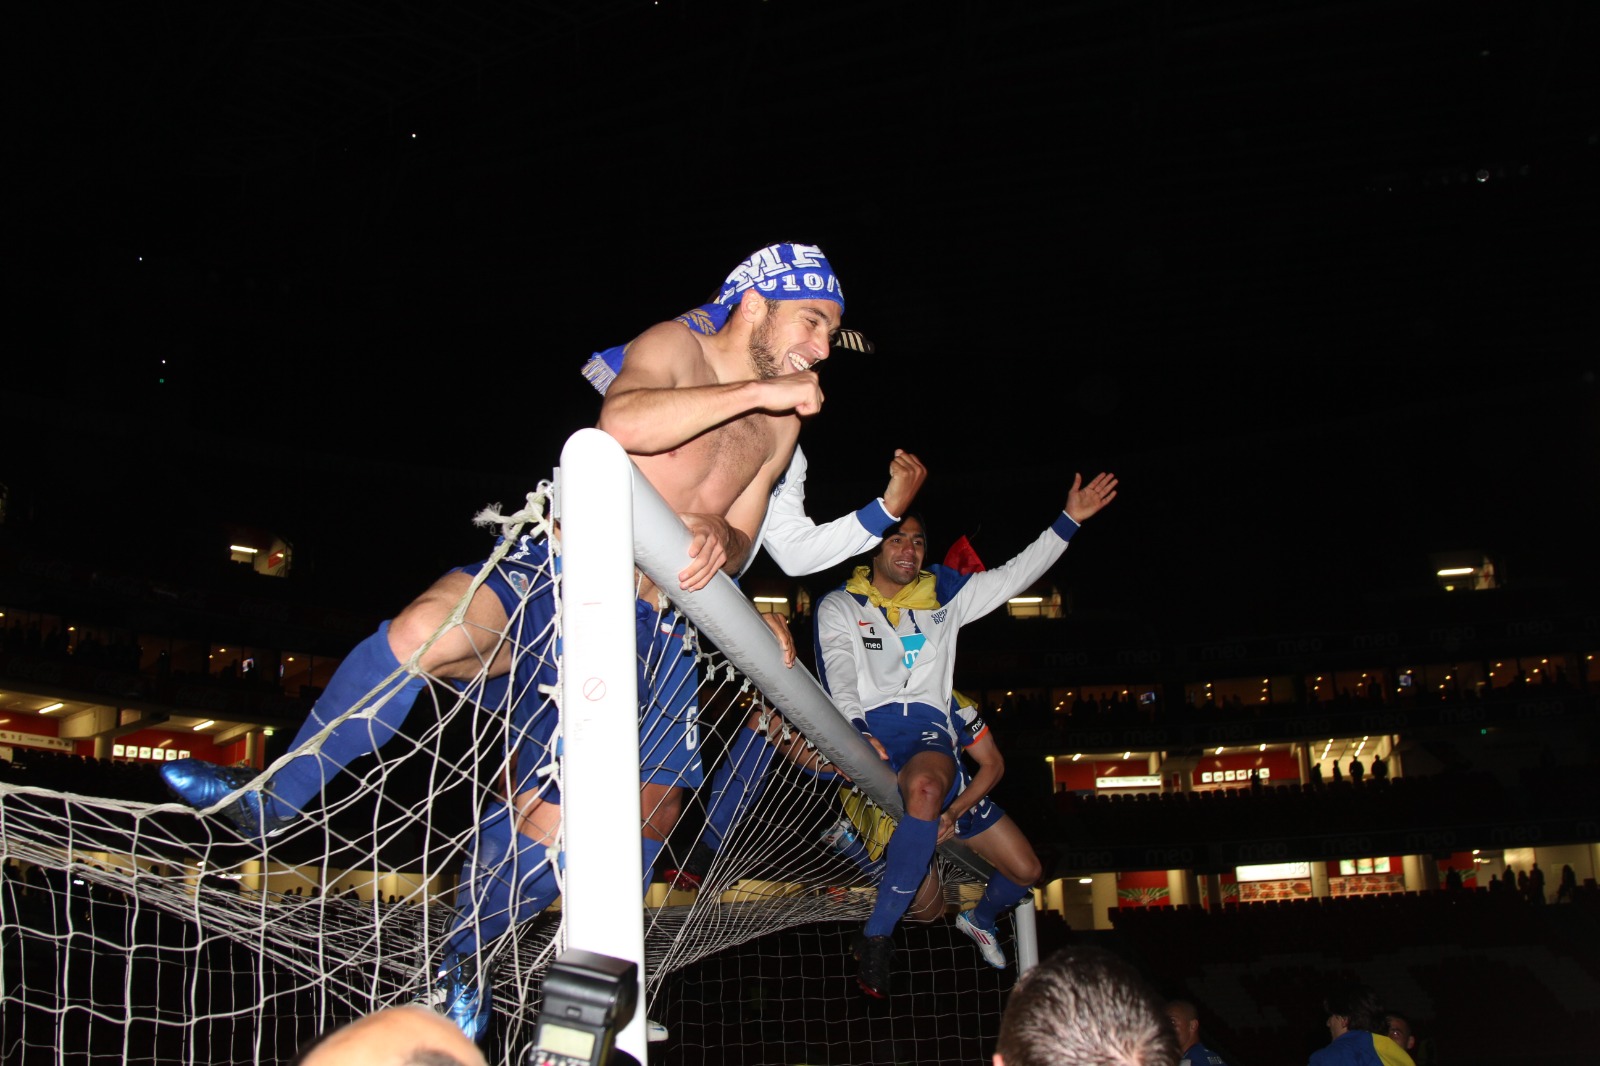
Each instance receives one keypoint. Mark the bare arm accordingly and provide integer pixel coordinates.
(800, 545)
(715, 544)
(991, 768)
(906, 475)
(780, 629)
(665, 397)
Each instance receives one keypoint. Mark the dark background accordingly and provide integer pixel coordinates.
(1315, 279)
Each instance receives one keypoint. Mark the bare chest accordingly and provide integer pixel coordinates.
(708, 473)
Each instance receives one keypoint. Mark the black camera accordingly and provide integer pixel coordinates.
(588, 997)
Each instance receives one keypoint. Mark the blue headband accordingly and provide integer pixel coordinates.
(778, 272)
(783, 272)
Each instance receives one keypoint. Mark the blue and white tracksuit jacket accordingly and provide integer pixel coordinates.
(867, 665)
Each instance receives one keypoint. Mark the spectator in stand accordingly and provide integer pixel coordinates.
(1186, 1024)
(1356, 770)
(1355, 1019)
(1567, 890)
(1380, 768)
(1084, 1005)
(1535, 884)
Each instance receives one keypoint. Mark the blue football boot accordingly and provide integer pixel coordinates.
(459, 995)
(201, 784)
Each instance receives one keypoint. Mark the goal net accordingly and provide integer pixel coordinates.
(135, 929)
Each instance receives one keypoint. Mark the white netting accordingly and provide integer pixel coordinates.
(133, 929)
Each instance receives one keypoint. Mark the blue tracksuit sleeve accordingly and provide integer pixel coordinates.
(987, 590)
(801, 546)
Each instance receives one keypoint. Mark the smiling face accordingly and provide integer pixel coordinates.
(792, 335)
(899, 557)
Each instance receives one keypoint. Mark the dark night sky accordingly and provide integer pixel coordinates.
(1317, 280)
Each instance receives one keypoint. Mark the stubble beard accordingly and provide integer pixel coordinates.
(762, 358)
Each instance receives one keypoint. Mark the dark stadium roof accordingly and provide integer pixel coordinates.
(1316, 277)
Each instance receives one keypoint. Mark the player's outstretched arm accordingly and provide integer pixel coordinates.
(800, 545)
(1086, 501)
(906, 475)
(987, 590)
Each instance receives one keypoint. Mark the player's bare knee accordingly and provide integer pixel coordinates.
(537, 818)
(1026, 872)
(924, 795)
(411, 628)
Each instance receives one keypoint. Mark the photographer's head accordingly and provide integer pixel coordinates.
(1084, 1006)
(411, 1035)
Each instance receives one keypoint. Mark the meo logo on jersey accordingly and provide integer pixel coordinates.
(872, 643)
(912, 643)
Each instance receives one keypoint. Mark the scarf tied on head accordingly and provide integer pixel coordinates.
(920, 595)
(778, 272)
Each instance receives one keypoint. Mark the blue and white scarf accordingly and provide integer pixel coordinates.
(778, 272)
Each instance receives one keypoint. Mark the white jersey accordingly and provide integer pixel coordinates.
(866, 664)
(799, 545)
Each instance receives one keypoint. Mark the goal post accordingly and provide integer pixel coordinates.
(599, 711)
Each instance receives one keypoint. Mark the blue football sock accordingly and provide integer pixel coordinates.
(506, 880)
(367, 665)
(999, 895)
(905, 864)
(652, 851)
(736, 783)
